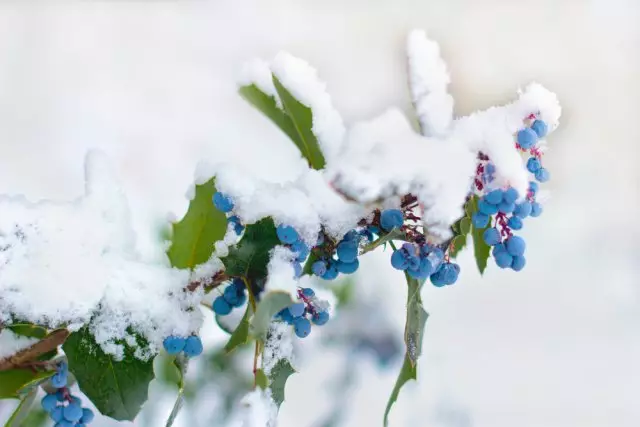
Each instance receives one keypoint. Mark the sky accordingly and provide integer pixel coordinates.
(152, 84)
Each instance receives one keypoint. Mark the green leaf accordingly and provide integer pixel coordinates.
(117, 388)
(223, 323)
(181, 363)
(480, 248)
(394, 234)
(465, 225)
(250, 257)
(416, 319)
(408, 372)
(267, 105)
(28, 330)
(270, 304)
(22, 411)
(457, 244)
(241, 335)
(194, 236)
(302, 119)
(261, 379)
(14, 381)
(278, 379)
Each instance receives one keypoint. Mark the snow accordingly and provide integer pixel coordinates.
(428, 78)
(66, 263)
(278, 346)
(257, 72)
(11, 343)
(256, 409)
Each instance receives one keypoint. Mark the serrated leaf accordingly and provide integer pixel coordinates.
(193, 238)
(278, 377)
(181, 364)
(250, 257)
(457, 244)
(241, 335)
(14, 381)
(416, 319)
(261, 379)
(117, 388)
(22, 411)
(407, 372)
(302, 119)
(270, 304)
(480, 249)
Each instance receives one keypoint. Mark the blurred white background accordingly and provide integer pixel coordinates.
(152, 83)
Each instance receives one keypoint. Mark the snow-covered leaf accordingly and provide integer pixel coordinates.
(118, 388)
(270, 304)
(278, 377)
(416, 319)
(250, 257)
(193, 238)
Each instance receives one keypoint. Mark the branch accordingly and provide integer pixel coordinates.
(29, 354)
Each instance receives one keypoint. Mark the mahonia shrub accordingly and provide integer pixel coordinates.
(259, 254)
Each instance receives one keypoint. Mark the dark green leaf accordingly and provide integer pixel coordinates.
(267, 105)
(278, 379)
(250, 257)
(408, 372)
(180, 363)
(261, 379)
(270, 304)
(22, 411)
(480, 248)
(194, 236)
(241, 335)
(13, 381)
(416, 319)
(302, 119)
(457, 244)
(117, 388)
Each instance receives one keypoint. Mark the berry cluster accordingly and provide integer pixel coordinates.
(290, 237)
(234, 295)
(527, 140)
(63, 408)
(338, 257)
(191, 346)
(223, 203)
(301, 314)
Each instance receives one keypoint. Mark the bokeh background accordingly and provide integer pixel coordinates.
(152, 83)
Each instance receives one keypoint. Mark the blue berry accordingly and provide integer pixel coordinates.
(65, 423)
(438, 279)
(450, 272)
(348, 267)
(193, 346)
(222, 202)
(540, 128)
(49, 402)
(72, 412)
(487, 208)
(331, 273)
(515, 223)
(494, 197)
(533, 164)
(498, 248)
(286, 316)
(60, 396)
(490, 168)
(221, 306)
(479, 220)
(391, 218)
(308, 292)
(491, 236)
(287, 234)
(57, 414)
(59, 380)
(527, 138)
(533, 187)
(515, 245)
(302, 327)
(518, 263)
(297, 309)
(510, 195)
(231, 295)
(506, 207)
(242, 298)
(347, 251)
(320, 318)
(503, 259)
(301, 250)
(399, 260)
(542, 175)
(87, 416)
(536, 209)
(237, 224)
(319, 268)
(174, 345)
(523, 209)
(297, 269)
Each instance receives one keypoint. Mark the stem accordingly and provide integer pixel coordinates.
(255, 364)
(393, 234)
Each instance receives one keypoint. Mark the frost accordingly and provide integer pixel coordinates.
(256, 409)
(66, 263)
(11, 343)
(428, 77)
